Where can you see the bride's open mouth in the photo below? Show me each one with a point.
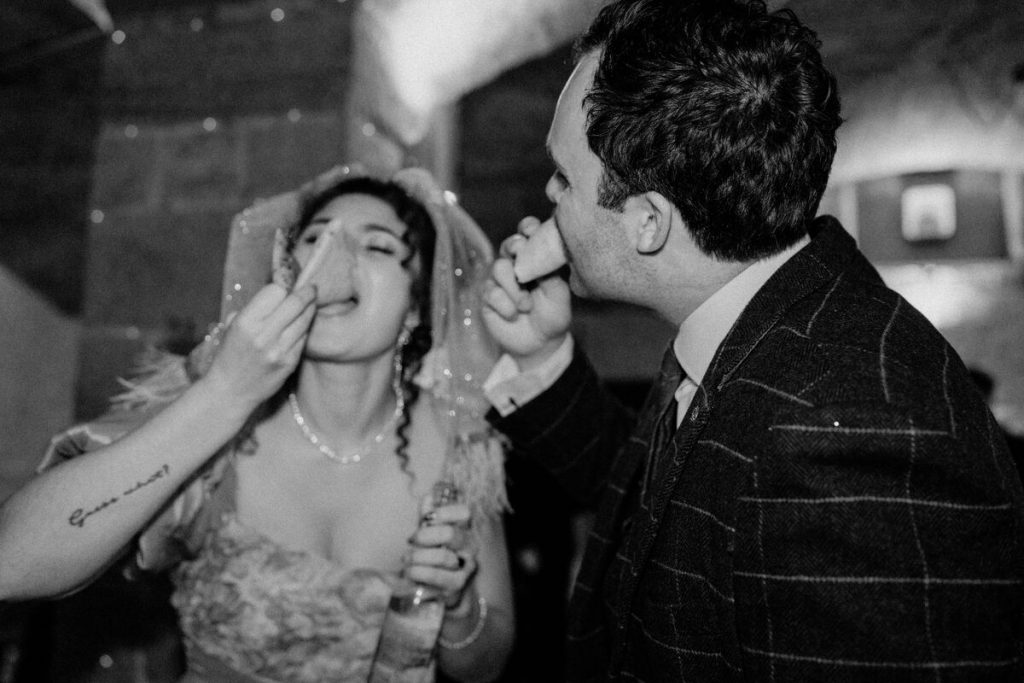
(337, 307)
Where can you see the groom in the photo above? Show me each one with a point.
(813, 490)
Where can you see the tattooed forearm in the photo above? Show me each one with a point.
(79, 515)
(159, 474)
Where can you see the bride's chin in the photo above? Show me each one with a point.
(325, 345)
(313, 354)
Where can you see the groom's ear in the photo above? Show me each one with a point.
(651, 217)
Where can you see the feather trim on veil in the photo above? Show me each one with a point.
(158, 378)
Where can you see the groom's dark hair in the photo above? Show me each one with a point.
(720, 106)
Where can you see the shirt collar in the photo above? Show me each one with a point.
(705, 329)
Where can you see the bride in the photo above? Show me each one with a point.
(286, 472)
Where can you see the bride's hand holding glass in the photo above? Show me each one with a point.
(441, 555)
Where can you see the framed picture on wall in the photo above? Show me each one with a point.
(928, 212)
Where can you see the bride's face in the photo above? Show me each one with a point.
(364, 284)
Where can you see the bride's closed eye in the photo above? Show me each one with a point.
(383, 242)
(381, 246)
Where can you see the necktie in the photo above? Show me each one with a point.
(670, 377)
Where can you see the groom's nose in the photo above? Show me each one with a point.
(553, 188)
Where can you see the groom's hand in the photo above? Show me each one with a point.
(528, 323)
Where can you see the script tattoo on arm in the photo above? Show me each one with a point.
(79, 515)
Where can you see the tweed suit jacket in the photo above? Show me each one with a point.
(837, 504)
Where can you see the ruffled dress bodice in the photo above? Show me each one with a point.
(247, 605)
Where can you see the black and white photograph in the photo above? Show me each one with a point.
(511, 341)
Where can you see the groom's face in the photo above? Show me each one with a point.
(594, 236)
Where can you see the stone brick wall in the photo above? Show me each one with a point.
(204, 110)
(163, 197)
(503, 165)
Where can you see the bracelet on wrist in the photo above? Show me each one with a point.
(478, 627)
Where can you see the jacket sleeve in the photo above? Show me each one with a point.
(574, 429)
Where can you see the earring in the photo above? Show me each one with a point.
(404, 336)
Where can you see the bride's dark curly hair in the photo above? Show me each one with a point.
(420, 236)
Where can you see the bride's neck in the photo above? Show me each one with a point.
(346, 400)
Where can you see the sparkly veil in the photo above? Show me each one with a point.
(461, 353)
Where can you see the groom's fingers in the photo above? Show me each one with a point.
(504, 274)
(511, 245)
(496, 299)
(528, 226)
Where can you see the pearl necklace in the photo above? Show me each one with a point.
(329, 452)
